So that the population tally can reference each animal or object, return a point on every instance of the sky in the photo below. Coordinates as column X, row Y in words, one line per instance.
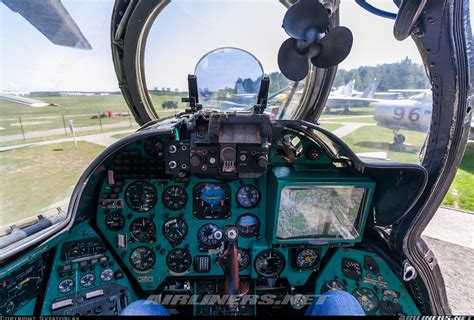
column 180, row 36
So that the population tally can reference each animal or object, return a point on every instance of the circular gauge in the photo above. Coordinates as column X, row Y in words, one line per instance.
column 175, row 229
column 352, row 269
column 178, row 260
column 107, row 275
column 390, row 308
column 367, row 299
column 153, row 146
column 115, row 221
column 269, row 263
column 243, row 258
column 87, row 280
column 248, row 196
column 332, row 285
column 174, row 198
column 211, row 200
column 141, row 196
column 66, row 285
column 142, row 258
column 307, row 259
column 206, row 236
column 248, row 225
column 143, row 230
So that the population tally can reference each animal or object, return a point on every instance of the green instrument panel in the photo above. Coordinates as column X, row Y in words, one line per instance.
column 294, row 221
column 173, row 237
column 162, row 228
column 85, row 278
column 369, row 279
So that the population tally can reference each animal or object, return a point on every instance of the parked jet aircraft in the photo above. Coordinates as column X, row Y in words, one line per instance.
column 413, row 113
column 344, row 98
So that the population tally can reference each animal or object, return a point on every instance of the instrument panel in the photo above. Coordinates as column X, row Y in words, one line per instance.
column 169, row 218
column 169, row 225
column 85, row 279
column 369, row 279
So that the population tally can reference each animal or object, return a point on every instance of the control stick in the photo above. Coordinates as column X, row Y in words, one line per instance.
column 229, row 262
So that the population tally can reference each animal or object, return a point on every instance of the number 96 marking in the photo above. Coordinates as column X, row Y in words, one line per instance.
column 413, row 115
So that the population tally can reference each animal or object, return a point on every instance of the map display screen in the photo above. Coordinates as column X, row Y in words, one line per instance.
column 320, row 212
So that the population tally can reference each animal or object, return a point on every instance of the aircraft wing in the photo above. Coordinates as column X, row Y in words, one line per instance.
column 23, row 100
column 409, row 90
column 52, row 19
column 354, row 99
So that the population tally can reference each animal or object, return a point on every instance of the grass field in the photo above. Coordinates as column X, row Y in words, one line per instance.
column 80, row 109
column 461, row 193
column 55, row 137
column 120, row 136
column 330, row 126
column 34, row 178
column 374, row 139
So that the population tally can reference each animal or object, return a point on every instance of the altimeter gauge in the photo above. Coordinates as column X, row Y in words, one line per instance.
column 174, row 198
column 142, row 258
column 143, row 230
column 248, row 196
column 141, row 196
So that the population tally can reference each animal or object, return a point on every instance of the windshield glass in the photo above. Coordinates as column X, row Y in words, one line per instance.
column 380, row 103
column 201, row 27
column 54, row 87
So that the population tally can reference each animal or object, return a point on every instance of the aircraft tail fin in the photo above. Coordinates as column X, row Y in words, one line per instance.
column 239, row 88
column 370, row 90
column 347, row 90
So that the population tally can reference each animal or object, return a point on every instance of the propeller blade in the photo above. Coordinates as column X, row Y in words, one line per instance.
column 336, row 46
column 303, row 15
column 292, row 63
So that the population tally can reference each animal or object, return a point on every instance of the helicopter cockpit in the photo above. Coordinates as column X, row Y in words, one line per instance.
column 228, row 199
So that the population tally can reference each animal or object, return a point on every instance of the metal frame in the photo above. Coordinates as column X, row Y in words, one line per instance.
column 131, row 23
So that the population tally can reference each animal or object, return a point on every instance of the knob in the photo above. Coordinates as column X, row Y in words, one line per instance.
column 172, row 149
column 172, row 164
column 195, row 160
column 217, row 234
column 263, row 161
column 231, row 233
column 313, row 154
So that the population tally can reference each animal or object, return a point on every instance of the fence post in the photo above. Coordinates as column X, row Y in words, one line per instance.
column 73, row 131
column 22, row 129
column 64, row 124
column 100, row 121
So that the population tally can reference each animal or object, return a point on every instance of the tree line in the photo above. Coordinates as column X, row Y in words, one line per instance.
column 404, row 74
